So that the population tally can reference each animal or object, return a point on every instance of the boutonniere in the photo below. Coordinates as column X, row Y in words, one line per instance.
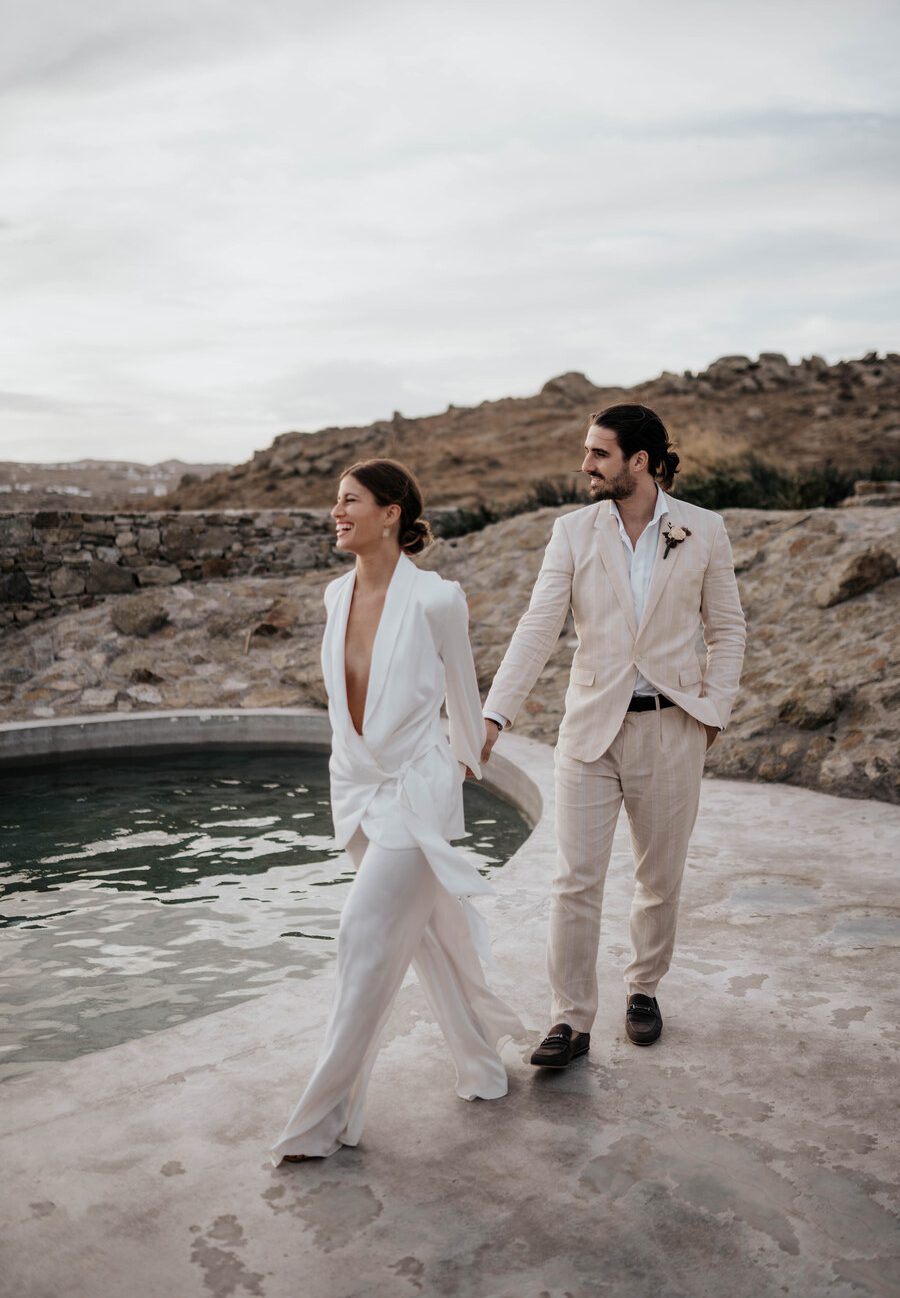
column 674, row 536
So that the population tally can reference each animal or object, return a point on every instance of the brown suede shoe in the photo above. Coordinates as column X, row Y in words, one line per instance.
column 560, row 1046
column 643, row 1021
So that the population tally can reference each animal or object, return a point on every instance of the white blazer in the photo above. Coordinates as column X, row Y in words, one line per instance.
column 401, row 780
column 584, row 568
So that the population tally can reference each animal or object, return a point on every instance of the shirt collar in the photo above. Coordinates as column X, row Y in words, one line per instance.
column 658, row 512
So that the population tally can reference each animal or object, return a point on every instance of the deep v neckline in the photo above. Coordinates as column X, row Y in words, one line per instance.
column 372, row 659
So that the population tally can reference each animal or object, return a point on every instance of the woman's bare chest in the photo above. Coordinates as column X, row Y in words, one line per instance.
column 362, row 628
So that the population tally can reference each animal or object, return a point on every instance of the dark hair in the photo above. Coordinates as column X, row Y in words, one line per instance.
column 391, row 483
column 638, row 428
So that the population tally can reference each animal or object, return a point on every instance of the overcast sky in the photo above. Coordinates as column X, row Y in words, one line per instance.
column 223, row 219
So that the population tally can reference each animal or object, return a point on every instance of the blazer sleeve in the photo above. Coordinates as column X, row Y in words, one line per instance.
column 535, row 637
column 463, row 699
column 724, row 627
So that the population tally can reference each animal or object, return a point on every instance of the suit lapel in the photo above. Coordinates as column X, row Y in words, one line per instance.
column 609, row 546
column 662, row 568
column 336, row 634
column 395, row 602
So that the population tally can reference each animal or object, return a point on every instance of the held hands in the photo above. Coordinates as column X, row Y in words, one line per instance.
column 491, row 731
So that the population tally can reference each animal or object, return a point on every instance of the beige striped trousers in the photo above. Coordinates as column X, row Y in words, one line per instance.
column 653, row 766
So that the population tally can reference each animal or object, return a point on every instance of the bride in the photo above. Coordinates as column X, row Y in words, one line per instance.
column 396, row 645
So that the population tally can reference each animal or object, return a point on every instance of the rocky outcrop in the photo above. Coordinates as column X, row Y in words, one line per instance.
column 794, row 416
column 873, row 493
column 819, row 704
column 855, row 575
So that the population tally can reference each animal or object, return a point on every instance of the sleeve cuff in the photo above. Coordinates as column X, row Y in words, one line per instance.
column 502, row 722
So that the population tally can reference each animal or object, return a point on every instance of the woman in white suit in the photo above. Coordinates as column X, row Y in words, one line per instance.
column 396, row 645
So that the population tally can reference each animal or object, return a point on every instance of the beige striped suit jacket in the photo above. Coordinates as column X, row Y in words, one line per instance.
column 584, row 568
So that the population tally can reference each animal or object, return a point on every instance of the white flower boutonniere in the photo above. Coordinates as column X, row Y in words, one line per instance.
column 674, row 536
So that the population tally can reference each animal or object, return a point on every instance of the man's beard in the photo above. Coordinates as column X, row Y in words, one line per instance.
column 620, row 487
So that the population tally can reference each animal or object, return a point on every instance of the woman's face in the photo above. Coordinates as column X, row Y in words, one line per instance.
column 359, row 519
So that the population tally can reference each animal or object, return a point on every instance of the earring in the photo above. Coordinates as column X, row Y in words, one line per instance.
column 386, row 533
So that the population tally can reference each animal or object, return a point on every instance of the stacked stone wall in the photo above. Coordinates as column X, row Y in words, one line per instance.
column 50, row 561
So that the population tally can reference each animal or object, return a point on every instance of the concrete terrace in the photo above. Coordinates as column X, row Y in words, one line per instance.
column 748, row 1154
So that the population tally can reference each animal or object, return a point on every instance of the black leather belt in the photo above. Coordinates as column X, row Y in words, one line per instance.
column 647, row 702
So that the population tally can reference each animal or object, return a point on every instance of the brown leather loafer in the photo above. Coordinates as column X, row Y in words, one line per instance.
column 643, row 1021
column 560, row 1046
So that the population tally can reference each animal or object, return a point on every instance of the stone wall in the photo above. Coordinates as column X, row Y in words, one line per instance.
column 50, row 561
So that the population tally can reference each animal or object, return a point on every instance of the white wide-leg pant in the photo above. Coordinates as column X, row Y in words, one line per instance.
column 396, row 914
column 654, row 765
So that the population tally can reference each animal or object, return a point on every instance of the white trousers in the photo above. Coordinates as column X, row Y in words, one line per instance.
column 654, row 765
column 396, row 914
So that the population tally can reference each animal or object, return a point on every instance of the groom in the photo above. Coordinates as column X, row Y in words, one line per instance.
column 641, row 571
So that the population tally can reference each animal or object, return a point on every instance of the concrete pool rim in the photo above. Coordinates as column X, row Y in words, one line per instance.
column 55, row 741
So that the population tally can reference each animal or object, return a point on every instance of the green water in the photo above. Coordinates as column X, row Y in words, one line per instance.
column 137, row 894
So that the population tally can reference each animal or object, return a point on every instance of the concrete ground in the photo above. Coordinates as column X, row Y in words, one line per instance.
column 749, row 1153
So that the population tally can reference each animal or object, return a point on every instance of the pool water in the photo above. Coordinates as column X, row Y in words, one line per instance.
column 139, row 893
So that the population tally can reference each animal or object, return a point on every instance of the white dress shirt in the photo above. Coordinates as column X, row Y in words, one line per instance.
column 639, row 560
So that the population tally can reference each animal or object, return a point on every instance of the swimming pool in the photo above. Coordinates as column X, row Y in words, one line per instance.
column 139, row 892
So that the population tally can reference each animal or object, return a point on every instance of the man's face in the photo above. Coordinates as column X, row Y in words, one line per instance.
column 606, row 466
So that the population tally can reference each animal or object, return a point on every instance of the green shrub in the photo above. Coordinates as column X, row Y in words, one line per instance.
column 460, row 522
column 763, row 486
column 757, row 486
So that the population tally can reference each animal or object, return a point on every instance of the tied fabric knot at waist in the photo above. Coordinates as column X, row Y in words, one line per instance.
column 415, row 805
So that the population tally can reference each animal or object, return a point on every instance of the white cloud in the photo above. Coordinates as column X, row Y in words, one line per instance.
column 220, row 221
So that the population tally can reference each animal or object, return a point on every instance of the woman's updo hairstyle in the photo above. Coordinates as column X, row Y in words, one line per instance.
column 391, row 483
column 638, row 428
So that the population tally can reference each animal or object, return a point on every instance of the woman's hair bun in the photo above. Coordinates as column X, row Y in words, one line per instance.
column 415, row 536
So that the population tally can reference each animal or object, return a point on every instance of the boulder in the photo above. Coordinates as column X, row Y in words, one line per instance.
column 66, row 581
column 98, row 698
column 213, row 541
column 148, row 538
column 215, row 568
column 15, row 588
column 108, row 579
column 860, row 573
column 140, row 616
column 726, row 370
column 159, row 574
column 810, row 706
column 144, row 694
column 669, row 384
column 573, row 387
column 879, row 494
column 179, row 540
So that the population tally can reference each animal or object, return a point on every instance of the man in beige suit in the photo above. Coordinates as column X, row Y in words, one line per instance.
column 642, row 572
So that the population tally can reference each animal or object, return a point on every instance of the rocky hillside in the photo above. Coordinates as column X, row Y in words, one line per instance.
column 794, row 416
column 820, row 704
